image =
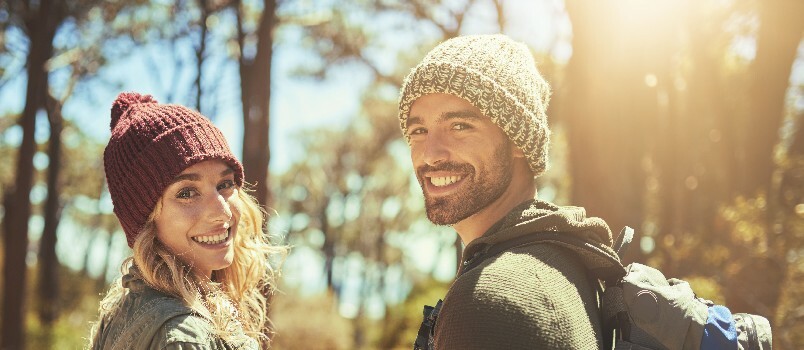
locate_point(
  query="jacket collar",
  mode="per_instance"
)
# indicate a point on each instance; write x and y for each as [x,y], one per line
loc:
[535,216]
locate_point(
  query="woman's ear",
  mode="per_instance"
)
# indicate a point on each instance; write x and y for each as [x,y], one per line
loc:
[157,210]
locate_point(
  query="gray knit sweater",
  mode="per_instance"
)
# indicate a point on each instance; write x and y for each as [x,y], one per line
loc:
[537,296]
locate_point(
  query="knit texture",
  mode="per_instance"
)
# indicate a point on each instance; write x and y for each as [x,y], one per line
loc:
[499,77]
[151,144]
[529,297]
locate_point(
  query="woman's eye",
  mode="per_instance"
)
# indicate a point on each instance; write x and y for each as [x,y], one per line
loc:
[226,184]
[186,193]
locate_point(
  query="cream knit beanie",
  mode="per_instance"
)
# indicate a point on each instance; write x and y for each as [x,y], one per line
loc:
[499,77]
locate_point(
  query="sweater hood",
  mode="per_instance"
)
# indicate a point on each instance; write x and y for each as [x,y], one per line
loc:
[534,217]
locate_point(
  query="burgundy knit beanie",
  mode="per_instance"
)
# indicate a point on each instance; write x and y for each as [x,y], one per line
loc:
[151,144]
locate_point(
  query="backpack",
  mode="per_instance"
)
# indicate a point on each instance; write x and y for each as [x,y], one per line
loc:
[640,308]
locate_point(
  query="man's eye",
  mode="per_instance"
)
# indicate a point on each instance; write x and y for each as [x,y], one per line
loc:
[186,193]
[226,184]
[460,126]
[418,131]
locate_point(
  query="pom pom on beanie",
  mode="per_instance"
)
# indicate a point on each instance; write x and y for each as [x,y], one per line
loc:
[126,100]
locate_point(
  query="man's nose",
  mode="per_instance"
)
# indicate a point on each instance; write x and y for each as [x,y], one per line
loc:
[436,150]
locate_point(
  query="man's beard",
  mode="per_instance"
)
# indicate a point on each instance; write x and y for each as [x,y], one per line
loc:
[477,190]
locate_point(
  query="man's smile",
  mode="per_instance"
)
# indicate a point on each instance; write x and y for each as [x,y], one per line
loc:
[440,181]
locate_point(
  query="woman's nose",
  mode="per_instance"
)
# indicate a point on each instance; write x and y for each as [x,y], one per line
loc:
[220,210]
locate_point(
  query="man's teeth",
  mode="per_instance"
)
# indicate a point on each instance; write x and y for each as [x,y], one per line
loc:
[212,239]
[444,180]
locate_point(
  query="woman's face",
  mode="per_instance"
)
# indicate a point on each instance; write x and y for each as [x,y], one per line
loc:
[199,216]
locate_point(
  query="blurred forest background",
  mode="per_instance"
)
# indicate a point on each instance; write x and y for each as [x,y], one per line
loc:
[681,118]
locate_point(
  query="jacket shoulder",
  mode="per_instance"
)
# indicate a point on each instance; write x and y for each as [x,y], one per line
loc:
[191,331]
[183,332]
[537,294]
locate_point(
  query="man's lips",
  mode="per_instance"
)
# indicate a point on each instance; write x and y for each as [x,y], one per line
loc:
[444,178]
[441,183]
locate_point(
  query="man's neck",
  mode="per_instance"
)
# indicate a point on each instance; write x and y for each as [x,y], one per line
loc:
[476,225]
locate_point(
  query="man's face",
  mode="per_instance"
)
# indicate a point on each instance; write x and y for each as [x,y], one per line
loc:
[463,161]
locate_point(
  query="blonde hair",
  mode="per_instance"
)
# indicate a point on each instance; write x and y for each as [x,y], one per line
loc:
[235,297]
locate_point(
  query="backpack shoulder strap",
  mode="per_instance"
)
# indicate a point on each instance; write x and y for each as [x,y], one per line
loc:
[597,257]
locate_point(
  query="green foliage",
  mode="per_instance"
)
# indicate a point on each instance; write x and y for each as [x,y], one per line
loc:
[309,323]
[401,324]
[79,302]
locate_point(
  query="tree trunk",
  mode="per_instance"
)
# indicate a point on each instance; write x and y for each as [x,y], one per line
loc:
[329,251]
[610,103]
[41,28]
[200,52]
[778,39]
[692,164]
[255,87]
[255,82]
[48,262]
[780,33]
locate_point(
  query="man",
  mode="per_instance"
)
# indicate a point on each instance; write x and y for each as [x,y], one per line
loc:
[473,112]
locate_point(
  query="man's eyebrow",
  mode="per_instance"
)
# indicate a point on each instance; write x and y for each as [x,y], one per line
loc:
[467,114]
[227,172]
[414,120]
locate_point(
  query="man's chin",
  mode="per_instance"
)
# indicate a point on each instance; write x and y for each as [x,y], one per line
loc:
[440,212]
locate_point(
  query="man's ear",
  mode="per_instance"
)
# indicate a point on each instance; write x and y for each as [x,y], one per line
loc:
[516,151]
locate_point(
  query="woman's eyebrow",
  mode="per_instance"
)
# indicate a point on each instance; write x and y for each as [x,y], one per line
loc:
[189,177]
[197,177]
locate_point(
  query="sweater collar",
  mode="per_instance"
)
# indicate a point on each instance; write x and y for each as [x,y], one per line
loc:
[534,216]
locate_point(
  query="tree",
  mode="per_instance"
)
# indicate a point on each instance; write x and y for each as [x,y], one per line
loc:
[609,106]
[48,262]
[351,198]
[673,131]
[778,39]
[40,20]
[255,92]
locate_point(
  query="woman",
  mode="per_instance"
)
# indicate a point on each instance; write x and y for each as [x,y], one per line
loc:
[199,273]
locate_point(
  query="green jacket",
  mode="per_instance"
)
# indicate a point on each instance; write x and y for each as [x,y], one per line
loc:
[151,320]
[536,296]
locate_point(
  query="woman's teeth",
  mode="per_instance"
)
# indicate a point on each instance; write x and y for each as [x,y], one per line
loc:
[444,180]
[212,239]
